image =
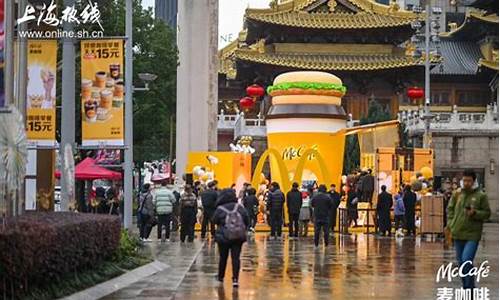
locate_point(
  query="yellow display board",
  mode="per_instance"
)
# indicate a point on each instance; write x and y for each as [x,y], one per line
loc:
[41,92]
[231,167]
[102,92]
[306,157]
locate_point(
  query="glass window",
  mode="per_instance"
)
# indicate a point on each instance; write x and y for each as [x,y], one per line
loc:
[440,98]
[473,98]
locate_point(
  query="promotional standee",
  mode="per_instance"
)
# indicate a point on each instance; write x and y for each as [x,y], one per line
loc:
[102,92]
[41,92]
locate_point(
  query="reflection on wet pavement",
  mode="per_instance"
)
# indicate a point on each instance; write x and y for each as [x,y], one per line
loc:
[353,267]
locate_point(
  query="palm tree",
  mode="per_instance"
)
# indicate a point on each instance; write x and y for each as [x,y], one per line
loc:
[13,158]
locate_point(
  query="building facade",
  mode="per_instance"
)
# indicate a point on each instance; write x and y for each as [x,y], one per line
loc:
[166,10]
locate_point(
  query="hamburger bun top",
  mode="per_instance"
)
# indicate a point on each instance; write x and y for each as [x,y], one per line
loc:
[307,76]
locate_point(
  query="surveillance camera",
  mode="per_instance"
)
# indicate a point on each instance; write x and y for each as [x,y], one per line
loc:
[147,77]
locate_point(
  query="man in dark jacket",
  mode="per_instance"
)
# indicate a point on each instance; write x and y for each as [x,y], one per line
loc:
[322,205]
[335,196]
[275,204]
[227,202]
[384,205]
[251,204]
[189,207]
[294,203]
[410,200]
[208,201]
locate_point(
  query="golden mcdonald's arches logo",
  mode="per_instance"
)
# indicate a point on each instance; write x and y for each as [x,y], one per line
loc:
[283,171]
[290,153]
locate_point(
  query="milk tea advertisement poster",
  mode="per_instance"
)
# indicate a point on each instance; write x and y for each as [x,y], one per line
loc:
[41,92]
[102,92]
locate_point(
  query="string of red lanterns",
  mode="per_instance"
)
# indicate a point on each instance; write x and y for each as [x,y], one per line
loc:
[254,91]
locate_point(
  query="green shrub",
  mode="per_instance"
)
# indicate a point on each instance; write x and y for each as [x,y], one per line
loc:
[40,248]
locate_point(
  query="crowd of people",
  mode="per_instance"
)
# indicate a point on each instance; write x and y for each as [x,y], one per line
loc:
[229,217]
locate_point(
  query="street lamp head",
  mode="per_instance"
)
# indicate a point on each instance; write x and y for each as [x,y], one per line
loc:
[147,77]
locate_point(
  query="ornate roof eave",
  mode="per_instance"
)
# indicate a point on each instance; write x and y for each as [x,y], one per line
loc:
[490,64]
[469,16]
[361,62]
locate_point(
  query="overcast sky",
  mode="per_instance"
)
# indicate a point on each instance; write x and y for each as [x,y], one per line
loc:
[230,16]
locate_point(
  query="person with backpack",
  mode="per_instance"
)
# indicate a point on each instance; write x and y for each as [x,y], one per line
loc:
[294,203]
[232,222]
[399,213]
[275,205]
[251,204]
[146,213]
[164,202]
[189,207]
[208,201]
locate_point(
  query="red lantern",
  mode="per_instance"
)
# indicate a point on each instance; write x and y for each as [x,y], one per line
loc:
[255,91]
[246,103]
[415,93]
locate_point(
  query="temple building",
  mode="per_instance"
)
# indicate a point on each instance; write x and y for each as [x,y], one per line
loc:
[369,46]
[464,98]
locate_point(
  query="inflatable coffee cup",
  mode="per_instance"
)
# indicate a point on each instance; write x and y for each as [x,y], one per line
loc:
[306,113]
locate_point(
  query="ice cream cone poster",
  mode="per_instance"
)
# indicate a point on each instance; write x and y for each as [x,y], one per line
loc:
[102,92]
[41,92]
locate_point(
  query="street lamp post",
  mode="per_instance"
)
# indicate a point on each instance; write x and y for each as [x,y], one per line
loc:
[431,31]
[128,164]
[128,189]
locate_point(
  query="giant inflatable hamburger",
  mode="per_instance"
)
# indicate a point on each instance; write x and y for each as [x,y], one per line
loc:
[306,113]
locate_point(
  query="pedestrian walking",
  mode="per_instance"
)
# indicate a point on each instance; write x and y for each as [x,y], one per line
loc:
[208,201]
[384,205]
[176,214]
[399,213]
[164,201]
[335,196]
[189,208]
[146,212]
[232,221]
[251,204]
[294,203]
[409,200]
[305,214]
[467,211]
[275,205]
[322,205]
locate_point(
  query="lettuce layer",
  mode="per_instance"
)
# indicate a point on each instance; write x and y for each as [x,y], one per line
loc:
[306,86]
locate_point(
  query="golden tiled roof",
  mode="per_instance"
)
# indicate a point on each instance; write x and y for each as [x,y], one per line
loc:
[369,14]
[328,62]
[327,21]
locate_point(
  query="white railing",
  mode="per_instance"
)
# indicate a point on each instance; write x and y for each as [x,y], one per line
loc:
[242,126]
[452,121]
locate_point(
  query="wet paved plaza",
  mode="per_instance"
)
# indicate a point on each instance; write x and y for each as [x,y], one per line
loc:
[357,266]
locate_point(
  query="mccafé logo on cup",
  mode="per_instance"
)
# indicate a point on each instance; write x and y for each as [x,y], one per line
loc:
[290,153]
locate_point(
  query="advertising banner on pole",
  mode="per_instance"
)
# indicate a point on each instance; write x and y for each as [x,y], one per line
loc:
[2,42]
[41,92]
[102,92]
